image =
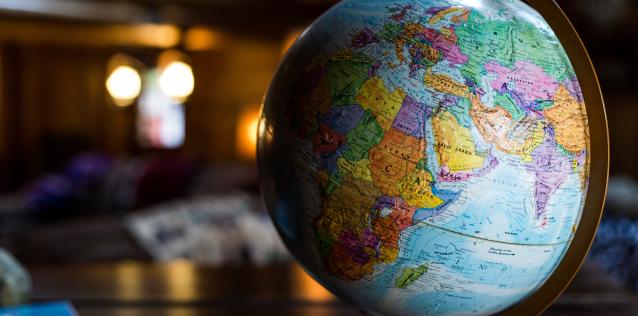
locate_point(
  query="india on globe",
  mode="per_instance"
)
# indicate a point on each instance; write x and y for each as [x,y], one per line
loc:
[430,157]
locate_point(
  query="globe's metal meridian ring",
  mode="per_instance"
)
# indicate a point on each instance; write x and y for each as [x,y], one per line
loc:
[599,162]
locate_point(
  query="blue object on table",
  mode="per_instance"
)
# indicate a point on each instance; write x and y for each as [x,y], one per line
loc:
[48,309]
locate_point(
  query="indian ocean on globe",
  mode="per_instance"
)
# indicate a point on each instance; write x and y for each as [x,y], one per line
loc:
[424,157]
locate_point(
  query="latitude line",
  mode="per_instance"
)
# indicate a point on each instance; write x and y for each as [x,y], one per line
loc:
[424,223]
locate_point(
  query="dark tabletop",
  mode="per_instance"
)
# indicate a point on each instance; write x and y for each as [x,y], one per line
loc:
[181,289]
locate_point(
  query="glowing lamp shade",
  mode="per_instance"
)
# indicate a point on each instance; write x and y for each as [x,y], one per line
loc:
[177,81]
[124,85]
[246,134]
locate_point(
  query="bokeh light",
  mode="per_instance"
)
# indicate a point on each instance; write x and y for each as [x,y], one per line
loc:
[246,134]
[202,39]
[177,80]
[124,85]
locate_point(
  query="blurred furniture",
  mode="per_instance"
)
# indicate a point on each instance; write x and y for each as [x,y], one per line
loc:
[180,288]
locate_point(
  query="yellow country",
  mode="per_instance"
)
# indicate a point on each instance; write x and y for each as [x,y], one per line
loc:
[454,144]
[385,105]
[445,84]
[359,169]
[416,190]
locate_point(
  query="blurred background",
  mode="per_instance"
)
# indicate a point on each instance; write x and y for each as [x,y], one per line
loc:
[114,109]
[127,135]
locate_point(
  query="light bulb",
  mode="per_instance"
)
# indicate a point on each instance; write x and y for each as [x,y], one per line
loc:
[177,81]
[124,85]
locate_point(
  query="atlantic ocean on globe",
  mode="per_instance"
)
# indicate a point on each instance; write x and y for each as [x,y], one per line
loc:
[426,157]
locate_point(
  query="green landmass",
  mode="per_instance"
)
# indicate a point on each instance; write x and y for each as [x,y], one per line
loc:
[346,76]
[334,181]
[325,242]
[390,32]
[422,164]
[410,275]
[366,135]
[483,40]
[461,111]
[505,101]
[543,104]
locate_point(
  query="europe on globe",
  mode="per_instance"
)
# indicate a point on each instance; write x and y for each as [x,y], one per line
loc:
[424,157]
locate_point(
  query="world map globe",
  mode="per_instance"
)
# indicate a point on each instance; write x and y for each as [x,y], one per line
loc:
[424,157]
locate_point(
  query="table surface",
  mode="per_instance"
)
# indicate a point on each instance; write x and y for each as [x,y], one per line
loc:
[182,289]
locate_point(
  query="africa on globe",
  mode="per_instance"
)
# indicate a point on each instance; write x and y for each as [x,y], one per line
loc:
[427,157]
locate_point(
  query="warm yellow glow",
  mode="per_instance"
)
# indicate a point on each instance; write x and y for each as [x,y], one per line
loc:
[160,35]
[124,85]
[181,278]
[290,39]
[307,288]
[106,35]
[177,80]
[128,280]
[246,134]
[201,38]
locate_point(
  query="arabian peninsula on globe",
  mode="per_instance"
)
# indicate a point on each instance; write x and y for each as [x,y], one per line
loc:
[428,156]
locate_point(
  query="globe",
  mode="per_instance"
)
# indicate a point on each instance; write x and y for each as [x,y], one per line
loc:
[447,157]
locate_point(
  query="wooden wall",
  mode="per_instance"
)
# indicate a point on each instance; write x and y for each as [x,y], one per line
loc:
[53,102]
[228,81]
